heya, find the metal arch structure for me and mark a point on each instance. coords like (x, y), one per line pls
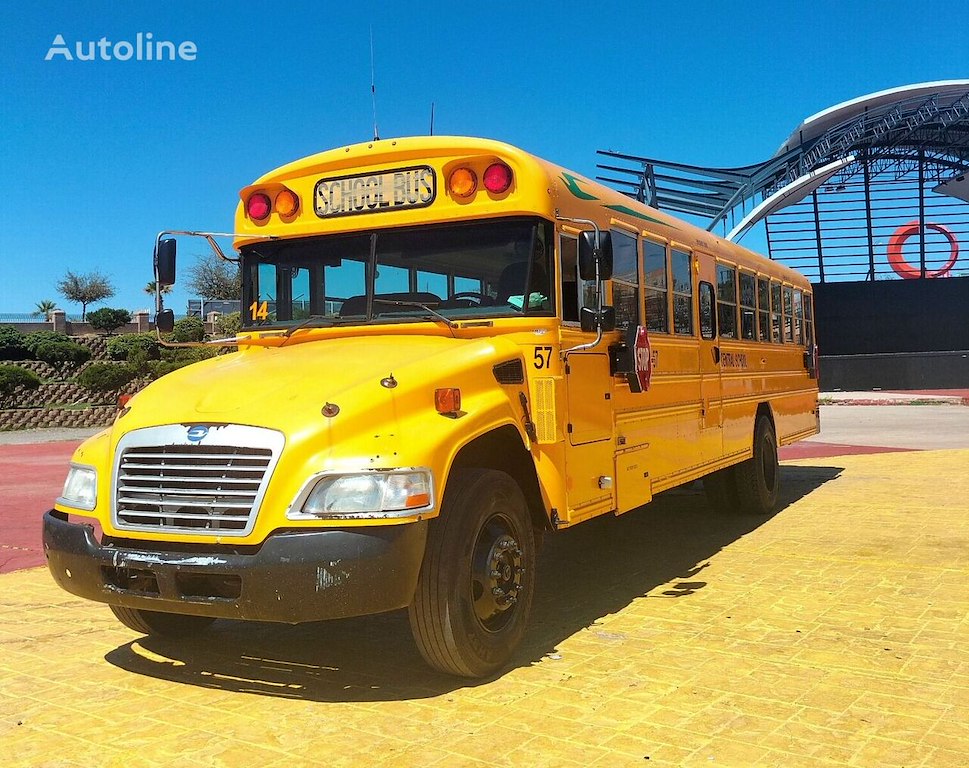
(838, 189)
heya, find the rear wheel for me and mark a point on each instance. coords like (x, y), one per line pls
(160, 624)
(477, 581)
(758, 478)
(721, 490)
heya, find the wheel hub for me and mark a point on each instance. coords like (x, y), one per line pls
(496, 579)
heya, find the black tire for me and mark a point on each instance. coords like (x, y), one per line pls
(758, 478)
(720, 489)
(477, 581)
(160, 624)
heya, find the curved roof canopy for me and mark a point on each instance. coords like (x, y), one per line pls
(927, 123)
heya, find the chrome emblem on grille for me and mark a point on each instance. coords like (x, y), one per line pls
(197, 433)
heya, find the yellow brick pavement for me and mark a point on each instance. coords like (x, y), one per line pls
(833, 633)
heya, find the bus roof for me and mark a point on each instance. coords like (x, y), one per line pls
(605, 204)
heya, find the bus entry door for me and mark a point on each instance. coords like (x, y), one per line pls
(711, 391)
(589, 458)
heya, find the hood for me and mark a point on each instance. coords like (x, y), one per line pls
(286, 388)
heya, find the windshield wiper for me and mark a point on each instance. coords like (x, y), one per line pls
(312, 320)
(417, 305)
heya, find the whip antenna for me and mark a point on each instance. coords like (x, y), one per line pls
(432, 118)
(373, 90)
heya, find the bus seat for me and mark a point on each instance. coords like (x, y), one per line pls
(512, 281)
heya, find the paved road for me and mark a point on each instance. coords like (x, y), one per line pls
(830, 634)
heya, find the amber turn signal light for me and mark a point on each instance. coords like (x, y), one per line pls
(462, 182)
(447, 400)
(286, 203)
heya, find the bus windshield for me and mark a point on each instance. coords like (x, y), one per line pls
(496, 268)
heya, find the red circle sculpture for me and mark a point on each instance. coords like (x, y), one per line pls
(905, 270)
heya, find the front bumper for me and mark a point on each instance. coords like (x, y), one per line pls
(293, 577)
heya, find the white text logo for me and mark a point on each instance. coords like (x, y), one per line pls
(144, 48)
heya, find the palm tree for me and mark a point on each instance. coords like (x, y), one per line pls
(150, 289)
(45, 308)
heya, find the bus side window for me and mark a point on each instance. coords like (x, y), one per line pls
(798, 318)
(748, 306)
(788, 315)
(682, 293)
(808, 320)
(625, 279)
(654, 269)
(568, 263)
(763, 308)
(775, 318)
(708, 326)
(727, 301)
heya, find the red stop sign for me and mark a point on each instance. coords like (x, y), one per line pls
(642, 361)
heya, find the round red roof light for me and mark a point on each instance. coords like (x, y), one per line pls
(258, 206)
(497, 178)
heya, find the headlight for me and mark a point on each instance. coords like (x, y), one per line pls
(80, 488)
(398, 493)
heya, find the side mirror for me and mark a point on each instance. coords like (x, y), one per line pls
(165, 321)
(165, 262)
(591, 321)
(589, 254)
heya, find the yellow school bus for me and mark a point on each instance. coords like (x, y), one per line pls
(450, 348)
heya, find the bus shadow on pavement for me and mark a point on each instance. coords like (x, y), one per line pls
(585, 573)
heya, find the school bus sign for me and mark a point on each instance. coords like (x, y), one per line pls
(642, 361)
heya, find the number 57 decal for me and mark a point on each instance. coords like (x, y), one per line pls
(542, 357)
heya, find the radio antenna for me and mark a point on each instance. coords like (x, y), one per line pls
(373, 89)
(432, 118)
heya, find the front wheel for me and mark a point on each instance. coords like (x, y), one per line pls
(160, 624)
(477, 580)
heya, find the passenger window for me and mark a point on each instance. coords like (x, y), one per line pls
(727, 301)
(682, 293)
(788, 315)
(625, 279)
(763, 309)
(775, 317)
(708, 327)
(808, 320)
(748, 306)
(798, 318)
(432, 282)
(654, 269)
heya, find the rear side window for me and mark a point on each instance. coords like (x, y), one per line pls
(654, 269)
(727, 301)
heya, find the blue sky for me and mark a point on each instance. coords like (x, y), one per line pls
(97, 157)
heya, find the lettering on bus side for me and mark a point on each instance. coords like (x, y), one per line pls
(393, 190)
(734, 360)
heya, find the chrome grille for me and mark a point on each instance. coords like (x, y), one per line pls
(193, 488)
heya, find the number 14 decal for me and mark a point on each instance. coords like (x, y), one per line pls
(542, 357)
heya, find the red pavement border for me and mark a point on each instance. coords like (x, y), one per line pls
(33, 475)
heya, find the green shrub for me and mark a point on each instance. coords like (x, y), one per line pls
(35, 339)
(122, 347)
(173, 359)
(106, 377)
(229, 325)
(188, 329)
(108, 320)
(62, 355)
(15, 380)
(13, 344)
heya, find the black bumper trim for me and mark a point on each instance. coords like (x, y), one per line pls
(293, 577)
